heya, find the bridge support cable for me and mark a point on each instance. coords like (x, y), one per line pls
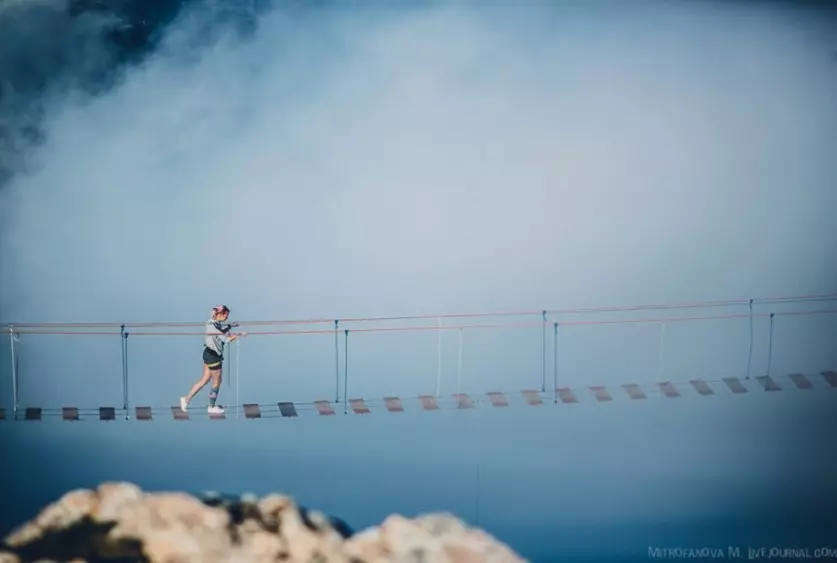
(811, 298)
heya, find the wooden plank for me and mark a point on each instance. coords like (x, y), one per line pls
(2, 414)
(533, 398)
(830, 377)
(498, 399)
(801, 381)
(359, 406)
(252, 410)
(179, 414)
(601, 393)
(633, 390)
(463, 401)
(735, 385)
(702, 387)
(394, 404)
(668, 390)
(32, 413)
(69, 413)
(324, 408)
(107, 413)
(429, 403)
(565, 394)
(288, 409)
(768, 383)
(143, 413)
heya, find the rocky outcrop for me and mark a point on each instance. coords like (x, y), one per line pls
(118, 522)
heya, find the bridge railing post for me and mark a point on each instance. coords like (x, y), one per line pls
(15, 374)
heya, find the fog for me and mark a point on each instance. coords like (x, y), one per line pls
(436, 159)
(428, 159)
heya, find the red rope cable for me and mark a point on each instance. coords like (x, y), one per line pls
(452, 327)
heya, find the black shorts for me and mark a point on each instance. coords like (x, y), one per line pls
(212, 360)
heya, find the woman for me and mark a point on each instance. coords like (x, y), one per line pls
(217, 336)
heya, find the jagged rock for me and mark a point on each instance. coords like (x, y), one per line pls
(433, 537)
(118, 522)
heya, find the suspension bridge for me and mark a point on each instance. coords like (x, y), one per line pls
(550, 322)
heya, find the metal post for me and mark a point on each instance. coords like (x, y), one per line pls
(336, 364)
(346, 374)
(543, 382)
(124, 339)
(555, 365)
(770, 345)
(750, 348)
(12, 340)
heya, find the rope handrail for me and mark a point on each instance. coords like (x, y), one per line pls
(605, 309)
(331, 332)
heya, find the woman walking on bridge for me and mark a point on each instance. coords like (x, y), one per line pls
(217, 336)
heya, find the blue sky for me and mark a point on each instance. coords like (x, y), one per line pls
(441, 158)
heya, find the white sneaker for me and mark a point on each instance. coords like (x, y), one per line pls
(215, 410)
(184, 404)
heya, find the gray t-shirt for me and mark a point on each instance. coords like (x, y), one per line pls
(216, 336)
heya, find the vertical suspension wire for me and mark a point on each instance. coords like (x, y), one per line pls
(660, 358)
(543, 330)
(237, 375)
(459, 365)
(336, 364)
(770, 346)
(750, 347)
(555, 365)
(438, 357)
(346, 373)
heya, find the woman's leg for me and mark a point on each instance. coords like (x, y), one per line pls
(184, 401)
(216, 386)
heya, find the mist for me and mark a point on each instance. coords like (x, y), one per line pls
(436, 158)
(400, 161)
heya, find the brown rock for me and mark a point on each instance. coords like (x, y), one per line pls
(433, 537)
(118, 520)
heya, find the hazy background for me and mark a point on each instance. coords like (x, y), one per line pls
(370, 159)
